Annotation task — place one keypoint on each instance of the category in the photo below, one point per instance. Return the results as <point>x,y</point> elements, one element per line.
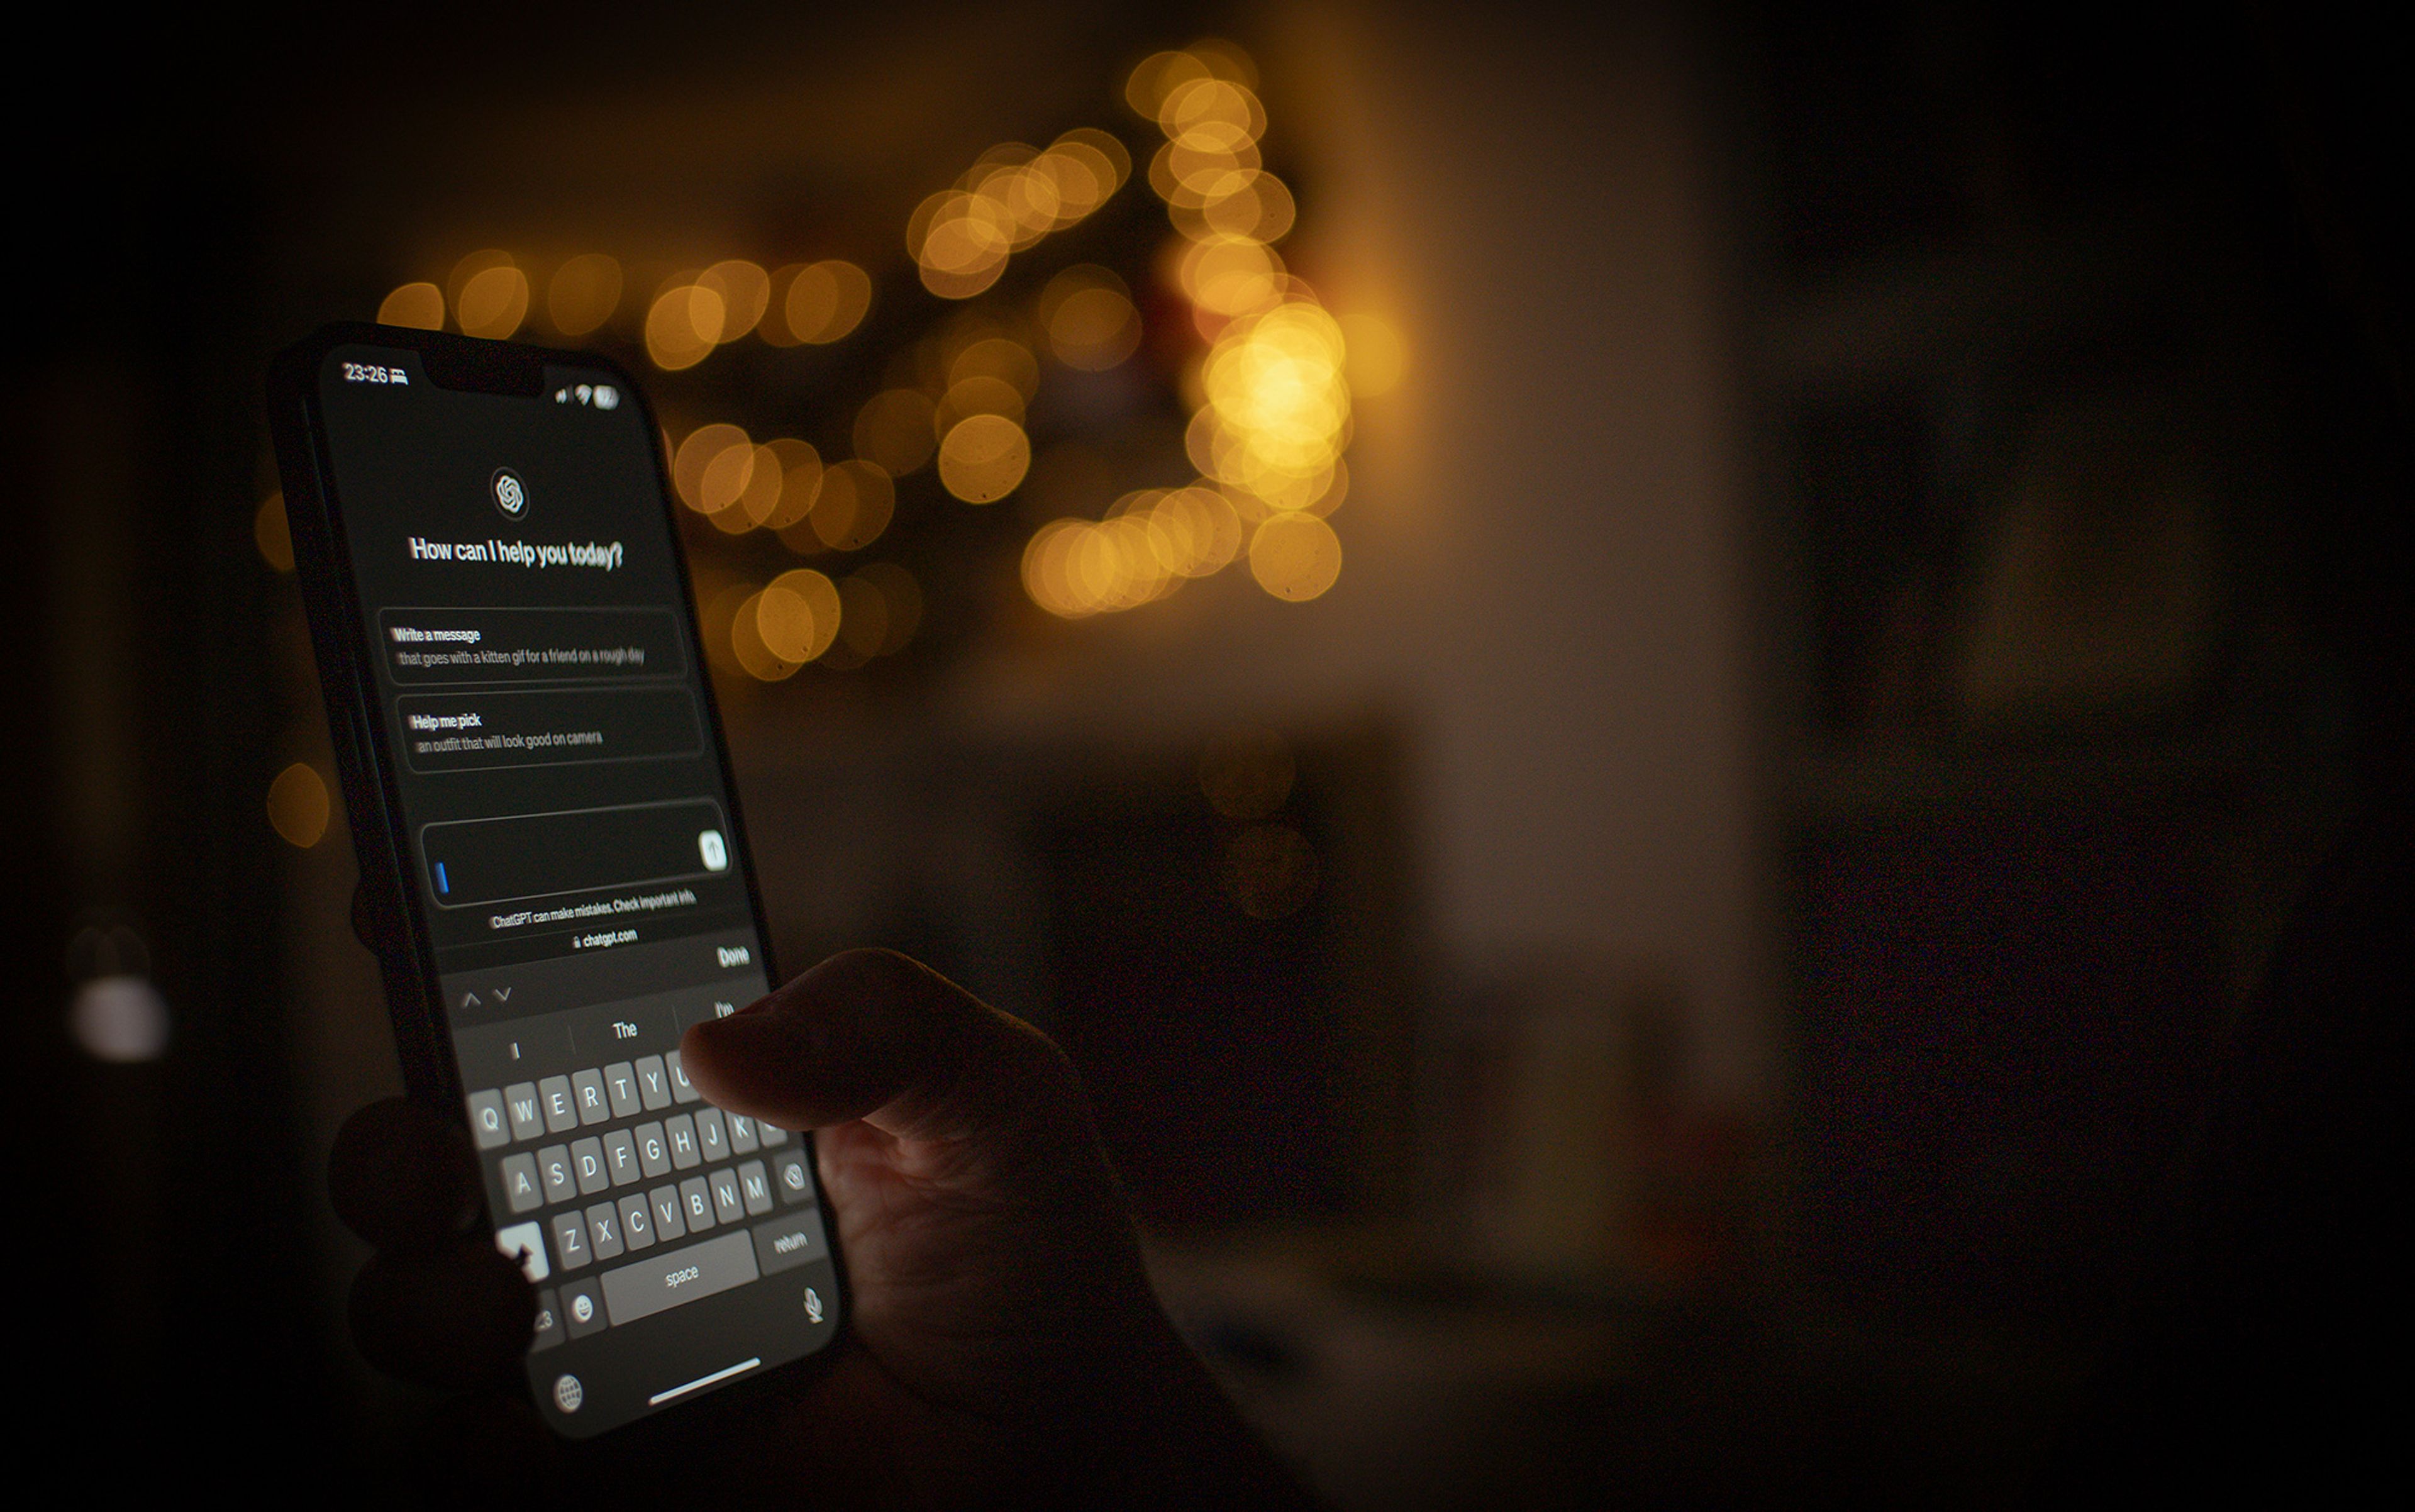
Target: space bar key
<point>667,1281</point>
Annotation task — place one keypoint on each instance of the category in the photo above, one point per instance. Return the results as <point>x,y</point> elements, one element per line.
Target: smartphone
<point>541,801</point>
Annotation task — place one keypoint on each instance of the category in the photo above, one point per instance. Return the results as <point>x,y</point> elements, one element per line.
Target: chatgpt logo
<point>509,493</point>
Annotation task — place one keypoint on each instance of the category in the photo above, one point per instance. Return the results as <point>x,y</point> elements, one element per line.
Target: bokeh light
<point>977,395</point>
<point>271,534</point>
<point>1378,354</point>
<point>683,325</point>
<point>417,305</point>
<point>799,467</point>
<point>863,616</point>
<point>798,615</point>
<point>856,501</point>
<point>818,302</point>
<point>893,430</point>
<point>1158,76</point>
<point>900,604</point>
<point>984,455</point>
<point>298,805</point>
<point>1003,358</point>
<point>754,654</point>
<point>703,445</point>
<point>745,292</point>
<point>1295,557</point>
<point>1088,315</point>
<point>584,293</point>
<point>492,301</point>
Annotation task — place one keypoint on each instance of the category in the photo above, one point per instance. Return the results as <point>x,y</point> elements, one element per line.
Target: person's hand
<point>1003,1340</point>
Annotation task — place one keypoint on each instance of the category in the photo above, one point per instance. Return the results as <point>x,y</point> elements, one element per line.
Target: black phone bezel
<point>395,912</point>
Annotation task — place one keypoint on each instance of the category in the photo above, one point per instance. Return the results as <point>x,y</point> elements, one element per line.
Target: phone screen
<point>563,811</point>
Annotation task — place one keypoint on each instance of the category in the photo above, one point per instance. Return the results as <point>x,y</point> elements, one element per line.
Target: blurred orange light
<point>863,617</point>
<point>1378,355</point>
<point>417,305</point>
<point>998,357</point>
<point>747,643</point>
<point>1213,112</point>
<point>977,395</point>
<point>894,429</point>
<point>584,293</point>
<point>298,805</point>
<point>270,532</point>
<point>704,445</point>
<point>1296,557</point>
<point>820,302</point>
<point>745,292</point>
<point>798,615</point>
<point>1156,76</point>
<point>799,467</point>
<point>856,501</point>
<point>684,325</point>
<point>492,302</point>
<point>901,599</point>
<point>1089,318</point>
<point>983,457</point>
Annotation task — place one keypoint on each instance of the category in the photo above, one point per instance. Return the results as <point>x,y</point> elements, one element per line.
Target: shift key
<point>667,1281</point>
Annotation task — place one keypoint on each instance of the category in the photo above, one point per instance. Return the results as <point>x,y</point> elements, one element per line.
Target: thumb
<point>874,1036</point>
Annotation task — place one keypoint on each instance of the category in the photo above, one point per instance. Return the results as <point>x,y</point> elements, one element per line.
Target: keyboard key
<point>570,1239</point>
<point>664,1203</point>
<point>681,1131</point>
<point>487,1121</point>
<point>636,1222</point>
<point>792,1241</point>
<point>554,1169</point>
<point>653,1083</point>
<point>621,1156</point>
<point>696,1204</point>
<point>582,1308</point>
<point>667,1281</point>
<point>525,1243</point>
<point>594,1106</point>
<point>528,1120</point>
<point>754,1185</point>
<point>561,1113</point>
<point>741,1134</point>
<point>681,1089</point>
<point>586,1165</point>
<point>604,1231</point>
<point>711,1137</point>
<point>772,1135</point>
<point>620,1084</point>
<point>727,1205</point>
<point>789,1173</point>
<point>653,1154</point>
<point>548,1322</point>
<point>521,1191</point>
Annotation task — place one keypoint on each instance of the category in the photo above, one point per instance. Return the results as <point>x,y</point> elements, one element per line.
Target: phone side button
<point>680,1277</point>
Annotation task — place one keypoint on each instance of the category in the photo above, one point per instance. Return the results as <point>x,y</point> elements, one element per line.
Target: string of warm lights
<point>1270,393</point>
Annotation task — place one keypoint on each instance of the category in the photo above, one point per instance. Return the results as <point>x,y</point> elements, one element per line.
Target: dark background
<point>1873,595</point>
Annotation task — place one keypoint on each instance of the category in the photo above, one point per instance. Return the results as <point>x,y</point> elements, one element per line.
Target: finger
<point>403,1178</point>
<point>458,1316</point>
<point>872,1035</point>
